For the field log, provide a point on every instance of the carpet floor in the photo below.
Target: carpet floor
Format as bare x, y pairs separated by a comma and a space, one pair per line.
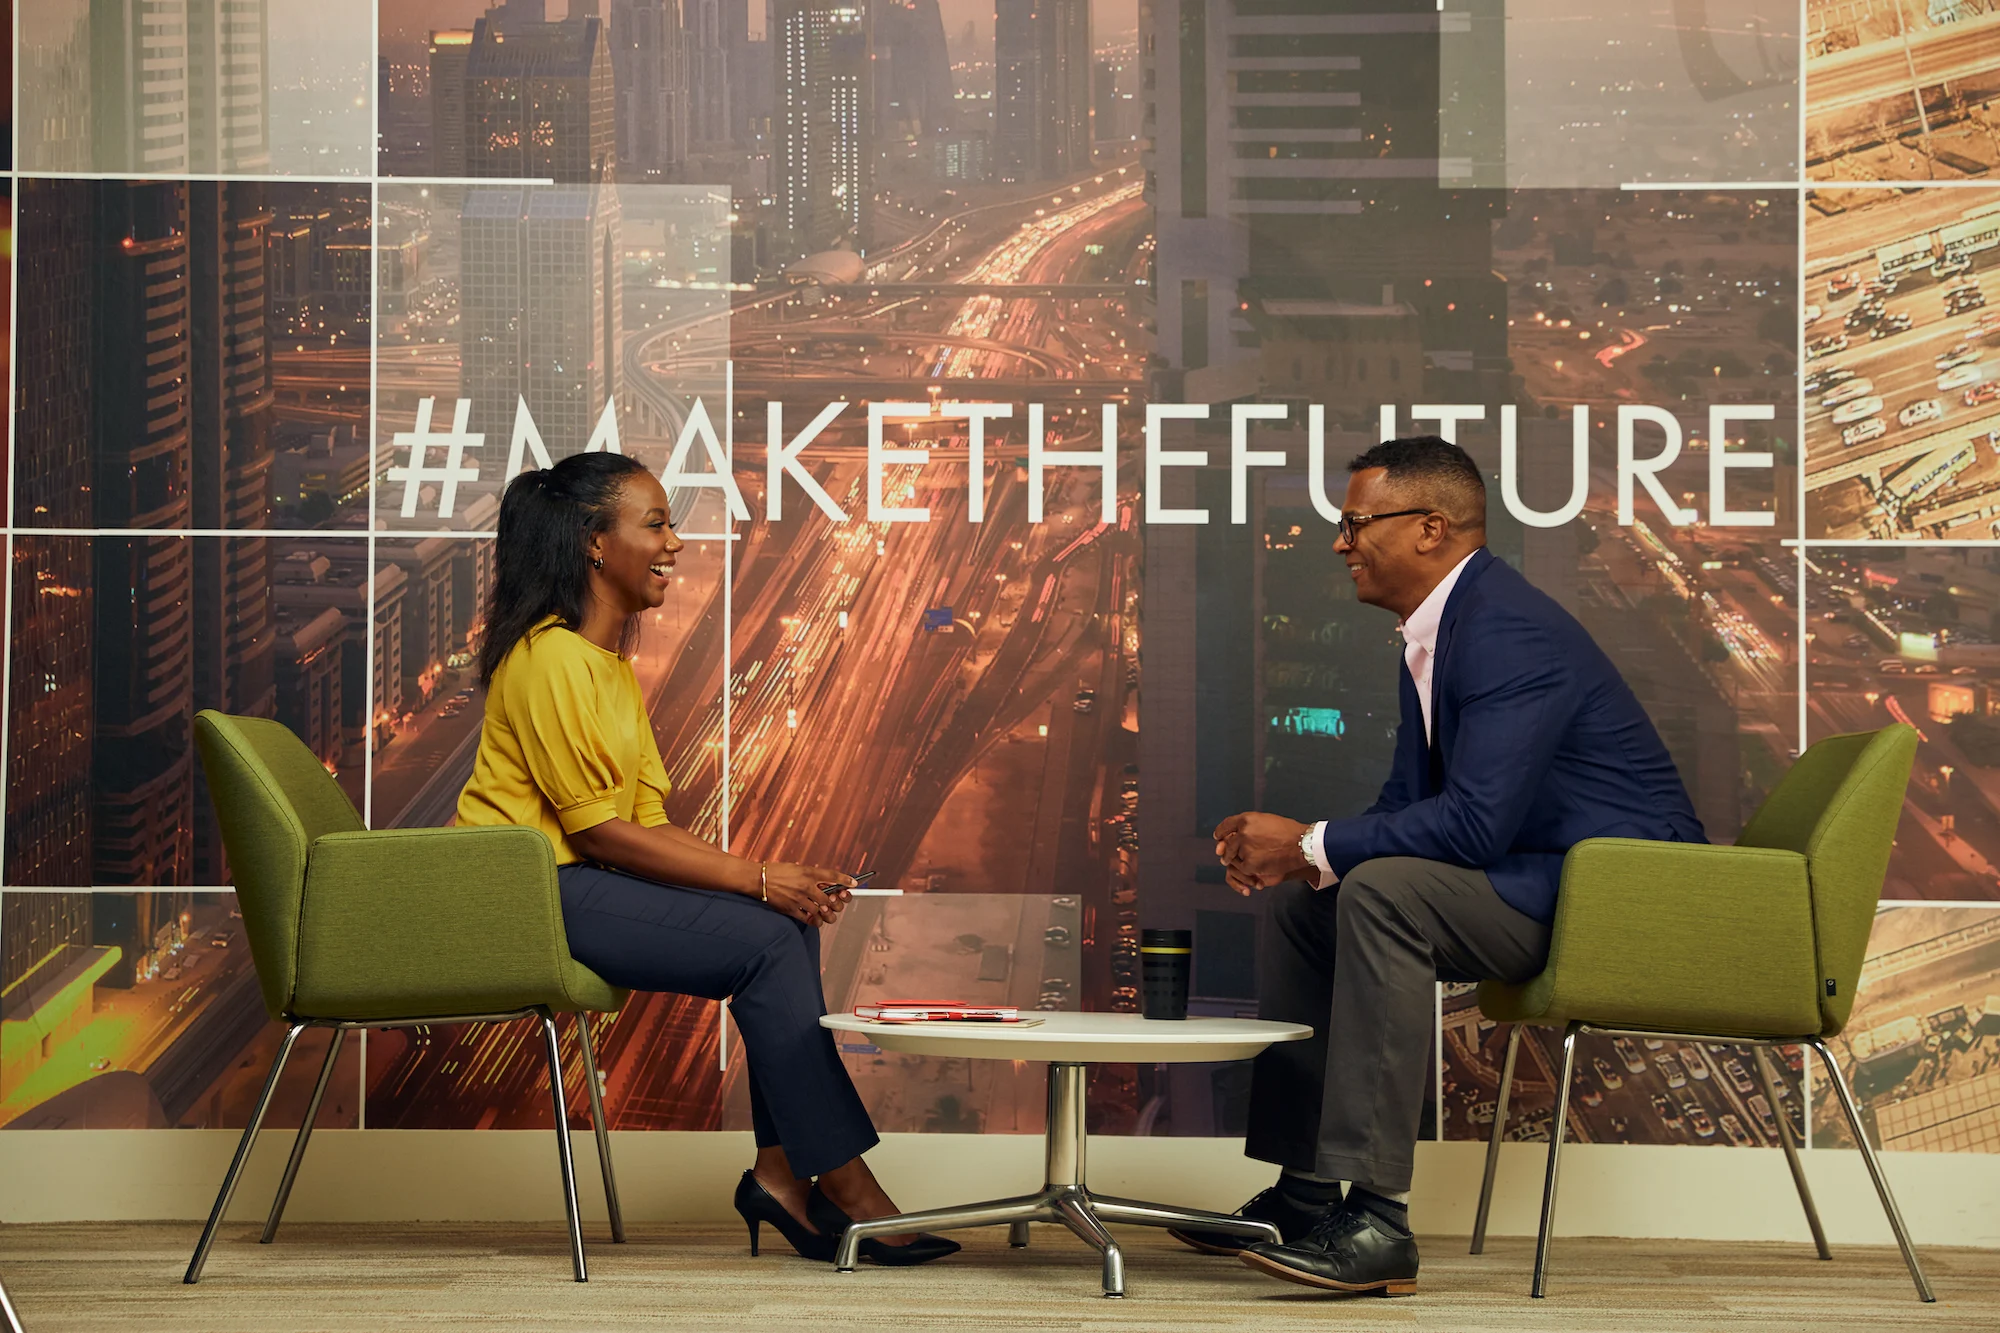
108, 1278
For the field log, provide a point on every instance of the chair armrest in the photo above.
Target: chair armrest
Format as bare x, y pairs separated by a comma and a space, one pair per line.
1675, 936
411, 923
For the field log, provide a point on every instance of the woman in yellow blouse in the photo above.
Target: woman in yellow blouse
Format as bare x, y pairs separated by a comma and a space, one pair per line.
568, 748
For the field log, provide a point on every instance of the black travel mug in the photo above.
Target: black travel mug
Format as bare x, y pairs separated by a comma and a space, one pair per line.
1166, 961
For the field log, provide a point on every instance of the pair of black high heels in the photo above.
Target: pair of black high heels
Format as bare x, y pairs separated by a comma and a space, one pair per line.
757, 1205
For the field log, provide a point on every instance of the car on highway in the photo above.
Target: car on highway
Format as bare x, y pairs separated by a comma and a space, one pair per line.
1762, 1110
1739, 1076
1858, 410
1628, 1051
1819, 347
1703, 1126
1950, 268
1873, 429
1588, 1095
1894, 324
1960, 376
1670, 1115
1827, 378
1057, 984
1733, 1129
1812, 314
1605, 1073
1692, 1057
1980, 394
1917, 413
1671, 1068
1960, 302
1086, 699
1847, 392
1056, 935
1842, 285
1892, 666
1961, 354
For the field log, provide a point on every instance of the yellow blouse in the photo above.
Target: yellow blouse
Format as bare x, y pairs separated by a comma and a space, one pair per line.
567, 743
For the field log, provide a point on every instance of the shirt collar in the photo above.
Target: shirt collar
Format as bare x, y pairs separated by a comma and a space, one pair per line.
1424, 622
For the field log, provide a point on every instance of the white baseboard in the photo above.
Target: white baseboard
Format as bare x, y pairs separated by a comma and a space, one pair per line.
510, 1176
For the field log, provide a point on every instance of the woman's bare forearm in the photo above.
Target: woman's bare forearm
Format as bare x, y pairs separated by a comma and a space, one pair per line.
666, 854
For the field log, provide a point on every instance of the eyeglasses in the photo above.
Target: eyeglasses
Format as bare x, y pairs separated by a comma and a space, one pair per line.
1351, 523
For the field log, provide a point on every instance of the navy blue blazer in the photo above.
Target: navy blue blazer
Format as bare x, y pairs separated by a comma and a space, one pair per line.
1538, 744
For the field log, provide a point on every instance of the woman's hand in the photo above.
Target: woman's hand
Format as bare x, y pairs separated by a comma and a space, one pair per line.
797, 892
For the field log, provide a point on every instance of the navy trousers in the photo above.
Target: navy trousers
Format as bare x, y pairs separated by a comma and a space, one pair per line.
648, 936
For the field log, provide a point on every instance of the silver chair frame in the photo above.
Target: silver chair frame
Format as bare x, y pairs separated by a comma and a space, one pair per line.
553, 1050
9, 1321
1558, 1126
1062, 1199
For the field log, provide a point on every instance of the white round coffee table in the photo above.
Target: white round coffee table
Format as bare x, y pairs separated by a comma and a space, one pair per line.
1068, 1042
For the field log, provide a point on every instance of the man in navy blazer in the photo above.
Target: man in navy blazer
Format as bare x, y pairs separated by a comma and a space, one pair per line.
1518, 739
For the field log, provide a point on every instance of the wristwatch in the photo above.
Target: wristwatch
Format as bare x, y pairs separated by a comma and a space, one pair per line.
1309, 849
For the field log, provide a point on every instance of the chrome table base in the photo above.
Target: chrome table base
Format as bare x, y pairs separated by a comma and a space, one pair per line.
1062, 1199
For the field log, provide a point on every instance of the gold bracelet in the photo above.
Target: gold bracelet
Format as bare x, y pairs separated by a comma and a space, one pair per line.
763, 884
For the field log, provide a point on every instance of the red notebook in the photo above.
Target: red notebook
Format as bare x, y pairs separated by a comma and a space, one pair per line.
937, 1011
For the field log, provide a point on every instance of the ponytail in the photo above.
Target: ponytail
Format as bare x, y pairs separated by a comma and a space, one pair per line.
542, 549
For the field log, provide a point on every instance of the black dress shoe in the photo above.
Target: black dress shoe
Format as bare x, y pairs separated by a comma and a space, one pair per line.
757, 1205
1293, 1219
828, 1217
1353, 1250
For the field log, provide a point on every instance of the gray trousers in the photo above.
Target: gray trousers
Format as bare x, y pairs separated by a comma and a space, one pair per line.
1360, 962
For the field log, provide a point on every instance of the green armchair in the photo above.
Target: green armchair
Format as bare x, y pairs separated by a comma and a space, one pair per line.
1758, 944
353, 928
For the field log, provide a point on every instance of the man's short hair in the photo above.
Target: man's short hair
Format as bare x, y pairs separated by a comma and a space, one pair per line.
1435, 473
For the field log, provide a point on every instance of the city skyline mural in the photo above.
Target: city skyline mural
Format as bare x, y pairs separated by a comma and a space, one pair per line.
1002, 364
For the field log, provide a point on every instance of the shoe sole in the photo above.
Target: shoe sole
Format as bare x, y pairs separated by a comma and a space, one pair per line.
1203, 1245
1386, 1287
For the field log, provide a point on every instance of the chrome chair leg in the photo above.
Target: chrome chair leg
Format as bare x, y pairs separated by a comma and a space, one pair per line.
1493, 1139
305, 1134
1556, 1130
554, 1046
1853, 1114
1017, 1235
1074, 1214
9, 1321
1784, 1120
603, 1131
243, 1147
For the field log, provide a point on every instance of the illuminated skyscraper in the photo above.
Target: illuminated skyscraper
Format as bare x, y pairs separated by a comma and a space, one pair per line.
541, 310
230, 463
147, 86
649, 62
50, 686
1041, 94
143, 814
539, 101
822, 162
449, 50
913, 92
712, 94
229, 75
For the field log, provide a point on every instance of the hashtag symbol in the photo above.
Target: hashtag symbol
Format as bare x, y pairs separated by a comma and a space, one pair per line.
454, 469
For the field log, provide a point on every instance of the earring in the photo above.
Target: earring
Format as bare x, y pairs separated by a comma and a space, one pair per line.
597, 562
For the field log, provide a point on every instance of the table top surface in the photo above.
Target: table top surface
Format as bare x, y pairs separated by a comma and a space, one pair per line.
1078, 1038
